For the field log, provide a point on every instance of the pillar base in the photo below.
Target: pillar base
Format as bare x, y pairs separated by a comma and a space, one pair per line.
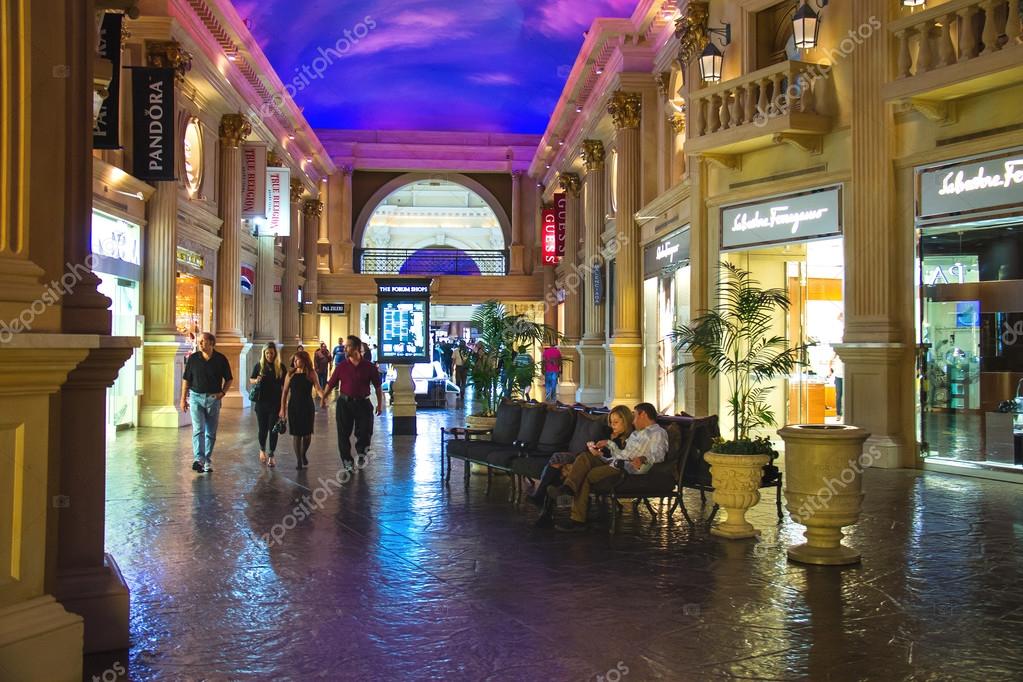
592, 360
164, 363
403, 403
625, 383
39, 640
100, 596
236, 351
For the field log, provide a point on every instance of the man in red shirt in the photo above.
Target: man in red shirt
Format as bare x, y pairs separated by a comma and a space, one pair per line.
551, 371
353, 378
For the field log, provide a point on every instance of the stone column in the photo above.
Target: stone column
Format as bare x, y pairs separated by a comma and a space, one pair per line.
591, 348
625, 347
697, 391
516, 252
233, 129
289, 287
267, 326
163, 352
571, 279
311, 212
339, 220
877, 349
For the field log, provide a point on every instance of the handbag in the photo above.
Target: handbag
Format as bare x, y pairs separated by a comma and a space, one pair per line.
281, 427
254, 393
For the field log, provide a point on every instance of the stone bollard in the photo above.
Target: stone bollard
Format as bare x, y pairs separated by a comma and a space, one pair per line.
823, 488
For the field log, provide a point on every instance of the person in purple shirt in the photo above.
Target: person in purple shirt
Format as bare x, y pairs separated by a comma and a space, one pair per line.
353, 379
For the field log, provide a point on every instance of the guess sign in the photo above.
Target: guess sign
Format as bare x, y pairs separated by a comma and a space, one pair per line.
549, 232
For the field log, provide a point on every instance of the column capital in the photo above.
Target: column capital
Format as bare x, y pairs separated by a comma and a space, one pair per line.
312, 208
297, 188
593, 155
168, 54
347, 169
677, 121
691, 30
517, 175
571, 183
233, 129
663, 80
625, 109
273, 159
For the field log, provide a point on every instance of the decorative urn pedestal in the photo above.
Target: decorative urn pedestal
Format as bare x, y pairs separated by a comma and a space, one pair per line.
736, 481
823, 488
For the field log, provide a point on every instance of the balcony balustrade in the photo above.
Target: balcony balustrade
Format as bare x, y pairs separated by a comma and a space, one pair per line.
431, 262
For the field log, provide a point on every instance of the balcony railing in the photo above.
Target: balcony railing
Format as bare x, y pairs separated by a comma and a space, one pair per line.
750, 111
954, 33
431, 262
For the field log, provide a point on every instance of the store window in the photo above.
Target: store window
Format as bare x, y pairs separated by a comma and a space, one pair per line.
665, 307
970, 312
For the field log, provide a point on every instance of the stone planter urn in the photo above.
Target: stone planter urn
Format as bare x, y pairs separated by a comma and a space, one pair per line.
823, 488
736, 481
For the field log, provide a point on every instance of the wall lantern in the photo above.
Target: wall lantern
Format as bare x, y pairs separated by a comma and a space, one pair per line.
806, 25
712, 59
914, 3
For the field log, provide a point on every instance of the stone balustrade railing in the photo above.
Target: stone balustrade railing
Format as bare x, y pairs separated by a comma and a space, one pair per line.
754, 99
954, 32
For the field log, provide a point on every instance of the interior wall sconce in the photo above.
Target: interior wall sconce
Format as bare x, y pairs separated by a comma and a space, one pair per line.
712, 59
914, 3
806, 25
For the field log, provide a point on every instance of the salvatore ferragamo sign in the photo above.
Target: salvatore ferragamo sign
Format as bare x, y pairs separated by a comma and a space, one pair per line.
808, 215
984, 184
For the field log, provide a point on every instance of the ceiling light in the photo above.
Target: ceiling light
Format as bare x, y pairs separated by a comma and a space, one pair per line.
291, 136
561, 143
579, 109
599, 70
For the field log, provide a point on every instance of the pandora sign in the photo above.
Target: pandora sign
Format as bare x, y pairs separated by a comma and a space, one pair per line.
807, 215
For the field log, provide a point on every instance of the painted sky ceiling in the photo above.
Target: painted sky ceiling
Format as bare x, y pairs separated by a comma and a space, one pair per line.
469, 65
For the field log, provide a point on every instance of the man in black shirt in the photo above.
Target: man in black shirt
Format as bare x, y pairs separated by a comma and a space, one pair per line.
206, 379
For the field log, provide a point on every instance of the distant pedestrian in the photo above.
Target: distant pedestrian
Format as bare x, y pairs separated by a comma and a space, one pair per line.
297, 405
338, 353
551, 371
300, 349
269, 375
204, 384
321, 362
522, 371
460, 365
353, 378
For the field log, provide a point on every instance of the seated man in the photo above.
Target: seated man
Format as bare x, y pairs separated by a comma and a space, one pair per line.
647, 445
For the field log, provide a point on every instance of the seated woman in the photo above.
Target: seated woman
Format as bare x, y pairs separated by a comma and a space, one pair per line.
620, 421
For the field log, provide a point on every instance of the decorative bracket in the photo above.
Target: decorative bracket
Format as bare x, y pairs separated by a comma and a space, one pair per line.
808, 142
726, 161
938, 111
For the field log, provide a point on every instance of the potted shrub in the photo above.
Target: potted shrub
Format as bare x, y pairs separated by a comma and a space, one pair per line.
735, 342
491, 367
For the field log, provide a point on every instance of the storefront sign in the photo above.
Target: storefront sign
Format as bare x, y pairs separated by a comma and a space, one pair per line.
277, 288
561, 207
807, 215
992, 182
117, 239
153, 117
403, 317
549, 247
332, 309
278, 204
191, 258
248, 279
105, 130
667, 253
254, 180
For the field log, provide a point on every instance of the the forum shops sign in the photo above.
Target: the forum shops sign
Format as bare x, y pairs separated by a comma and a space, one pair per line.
813, 214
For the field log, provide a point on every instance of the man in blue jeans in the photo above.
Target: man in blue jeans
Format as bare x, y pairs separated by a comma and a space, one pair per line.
206, 380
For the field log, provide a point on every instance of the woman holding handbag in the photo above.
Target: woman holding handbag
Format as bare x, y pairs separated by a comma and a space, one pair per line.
297, 404
267, 382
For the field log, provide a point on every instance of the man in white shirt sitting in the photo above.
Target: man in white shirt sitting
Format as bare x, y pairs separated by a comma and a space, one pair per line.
647, 446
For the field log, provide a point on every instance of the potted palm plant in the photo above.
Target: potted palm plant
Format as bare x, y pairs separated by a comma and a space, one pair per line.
491, 367
737, 343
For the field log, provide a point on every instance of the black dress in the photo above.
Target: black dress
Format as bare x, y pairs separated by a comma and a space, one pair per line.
300, 406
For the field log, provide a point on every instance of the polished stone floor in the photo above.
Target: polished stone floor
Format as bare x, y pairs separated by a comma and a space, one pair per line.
395, 576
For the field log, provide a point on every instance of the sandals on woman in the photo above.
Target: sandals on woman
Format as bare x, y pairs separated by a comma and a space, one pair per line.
270, 462
262, 458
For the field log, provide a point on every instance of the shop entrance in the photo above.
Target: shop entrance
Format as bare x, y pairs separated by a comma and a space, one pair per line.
194, 312
812, 274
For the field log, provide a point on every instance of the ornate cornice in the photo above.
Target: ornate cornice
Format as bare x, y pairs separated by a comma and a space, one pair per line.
297, 188
312, 208
691, 30
571, 183
625, 109
593, 155
168, 54
233, 129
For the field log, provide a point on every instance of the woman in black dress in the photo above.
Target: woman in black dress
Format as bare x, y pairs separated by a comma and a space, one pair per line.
269, 374
297, 404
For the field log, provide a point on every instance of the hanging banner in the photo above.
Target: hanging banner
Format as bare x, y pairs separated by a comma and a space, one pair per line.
561, 206
278, 204
254, 180
549, 247
105, 130
153, 117
248, 279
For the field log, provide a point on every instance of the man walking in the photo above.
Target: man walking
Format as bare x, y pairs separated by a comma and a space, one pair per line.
551, 371
321, 362
353, 378
206, 380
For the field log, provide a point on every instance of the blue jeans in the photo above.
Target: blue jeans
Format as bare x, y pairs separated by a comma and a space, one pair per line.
551, 385
205, 411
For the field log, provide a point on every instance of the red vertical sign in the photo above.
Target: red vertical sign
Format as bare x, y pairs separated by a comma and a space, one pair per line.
560, 206
549, 218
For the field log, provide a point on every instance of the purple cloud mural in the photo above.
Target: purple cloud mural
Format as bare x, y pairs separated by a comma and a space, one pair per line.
474, 65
